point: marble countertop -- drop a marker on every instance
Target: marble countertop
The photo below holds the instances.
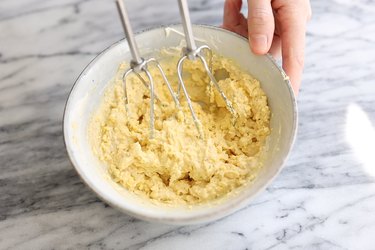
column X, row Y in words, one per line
column 323, row 199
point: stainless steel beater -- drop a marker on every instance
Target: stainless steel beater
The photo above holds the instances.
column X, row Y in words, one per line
column 139, row 65
column 192, row 52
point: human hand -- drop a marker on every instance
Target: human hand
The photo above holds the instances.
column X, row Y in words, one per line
column 274, row 26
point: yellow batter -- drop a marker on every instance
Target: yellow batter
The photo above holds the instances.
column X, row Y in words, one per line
column 176, row 167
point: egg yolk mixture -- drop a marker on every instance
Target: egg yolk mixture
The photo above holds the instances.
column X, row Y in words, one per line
column 177, row 166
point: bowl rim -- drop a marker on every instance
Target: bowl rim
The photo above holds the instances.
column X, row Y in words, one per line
column 194, row 219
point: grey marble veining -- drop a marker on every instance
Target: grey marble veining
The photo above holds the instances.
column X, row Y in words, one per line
column 323, row 199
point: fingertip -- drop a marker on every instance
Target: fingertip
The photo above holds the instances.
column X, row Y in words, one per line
column 295, row 87
column 293, row 63
column 259, row 44
column 294, row 78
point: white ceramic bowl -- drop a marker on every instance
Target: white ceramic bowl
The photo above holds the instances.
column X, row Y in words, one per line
column 89, row 88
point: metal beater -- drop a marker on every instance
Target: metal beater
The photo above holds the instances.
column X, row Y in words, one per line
column 192, row 52
column 139, row 64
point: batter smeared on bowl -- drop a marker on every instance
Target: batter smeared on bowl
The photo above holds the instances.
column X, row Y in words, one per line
column 176, row 167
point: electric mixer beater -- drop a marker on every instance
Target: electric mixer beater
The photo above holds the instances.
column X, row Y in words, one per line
column 190, row 52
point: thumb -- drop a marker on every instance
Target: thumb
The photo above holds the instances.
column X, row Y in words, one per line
column 261, row 25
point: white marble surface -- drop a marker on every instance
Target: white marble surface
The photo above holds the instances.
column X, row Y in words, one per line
column 323, row 199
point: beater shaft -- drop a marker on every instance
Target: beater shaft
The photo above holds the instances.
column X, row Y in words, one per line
column 186, row 23
column 128, row 32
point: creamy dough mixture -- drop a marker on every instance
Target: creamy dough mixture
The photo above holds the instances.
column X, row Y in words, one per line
column 176, row 167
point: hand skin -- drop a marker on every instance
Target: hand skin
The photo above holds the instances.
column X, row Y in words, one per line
column 277, row 27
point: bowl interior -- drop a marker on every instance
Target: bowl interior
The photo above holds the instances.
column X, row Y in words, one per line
column 90, row 87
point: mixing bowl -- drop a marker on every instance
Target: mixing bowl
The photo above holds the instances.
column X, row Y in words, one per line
column 89, row 89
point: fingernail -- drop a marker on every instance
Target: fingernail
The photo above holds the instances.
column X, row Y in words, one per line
column 259, row 43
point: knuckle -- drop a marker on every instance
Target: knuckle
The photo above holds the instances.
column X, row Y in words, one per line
column 259, row 16
column 298, row 60
column 296, row 10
